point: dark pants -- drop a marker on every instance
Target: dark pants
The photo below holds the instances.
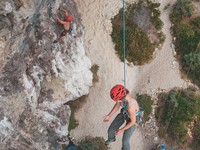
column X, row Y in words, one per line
column 71, row 146
column 115, row 125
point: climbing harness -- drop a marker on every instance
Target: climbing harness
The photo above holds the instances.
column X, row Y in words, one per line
column 161, row 147
column 139, row 114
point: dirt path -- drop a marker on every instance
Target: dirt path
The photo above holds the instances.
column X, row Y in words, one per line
column 162, row 72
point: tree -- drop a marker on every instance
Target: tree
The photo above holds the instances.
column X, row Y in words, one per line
column 187, row 38
column 196, row 22
column 192, row 65
column 184, row 7
column 192, row 61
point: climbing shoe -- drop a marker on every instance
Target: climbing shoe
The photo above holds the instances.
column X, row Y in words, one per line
column 107, row 142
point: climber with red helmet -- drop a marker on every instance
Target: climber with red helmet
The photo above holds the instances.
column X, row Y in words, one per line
column 66, row 24
column 128, row 113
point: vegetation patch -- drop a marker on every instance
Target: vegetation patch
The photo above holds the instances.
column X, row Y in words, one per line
column 175, row 113
column 74, row 106
column 141, row 18
column 167, row 6
column 196, row 22
column 155, row 14
column 196, row 134
column 187, row 33
column 94, row 69
column 89, row 143
column 182, row 9
column 145, row 102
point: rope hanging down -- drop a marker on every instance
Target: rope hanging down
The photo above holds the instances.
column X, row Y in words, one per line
column 124, row 41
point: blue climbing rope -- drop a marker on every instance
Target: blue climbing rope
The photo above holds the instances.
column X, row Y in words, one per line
column 57, row 147
column 124, row 41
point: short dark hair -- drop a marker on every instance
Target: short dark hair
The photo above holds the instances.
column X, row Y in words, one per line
column 127, row 91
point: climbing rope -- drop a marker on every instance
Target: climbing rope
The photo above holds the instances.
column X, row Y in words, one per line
column 124, row 40
column 57, row 146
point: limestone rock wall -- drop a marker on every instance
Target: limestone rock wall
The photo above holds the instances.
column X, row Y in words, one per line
column 38, row 76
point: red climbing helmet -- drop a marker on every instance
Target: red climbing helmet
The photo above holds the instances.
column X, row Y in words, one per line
column 118, row 92
column 69, row 18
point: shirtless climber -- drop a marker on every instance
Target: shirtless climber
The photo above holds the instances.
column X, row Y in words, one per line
column 66, row 24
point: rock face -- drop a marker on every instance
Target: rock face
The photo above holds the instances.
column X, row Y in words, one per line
column 38, row 76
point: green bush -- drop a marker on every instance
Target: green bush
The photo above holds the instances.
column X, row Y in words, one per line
column 196, row 136
column 175, row 111
column 187, row 33
column 187, row 38
column 192, row 65
column 152, row 6
column 75, row 105
column 192, row 61
column 175, row 17
column 196, row 22
column 161, row 37
column 184, row 31
column 146, row 102
column 139, row 48
column 155, row 18
column 94, row 69
column 187, row 41
column 176, row 116
column 90, row 143
column 182, row 9
column 157, row 22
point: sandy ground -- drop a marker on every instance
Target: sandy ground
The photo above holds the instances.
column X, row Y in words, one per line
column 161, row 73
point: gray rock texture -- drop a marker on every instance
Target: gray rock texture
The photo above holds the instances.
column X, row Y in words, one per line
column 38, row 76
